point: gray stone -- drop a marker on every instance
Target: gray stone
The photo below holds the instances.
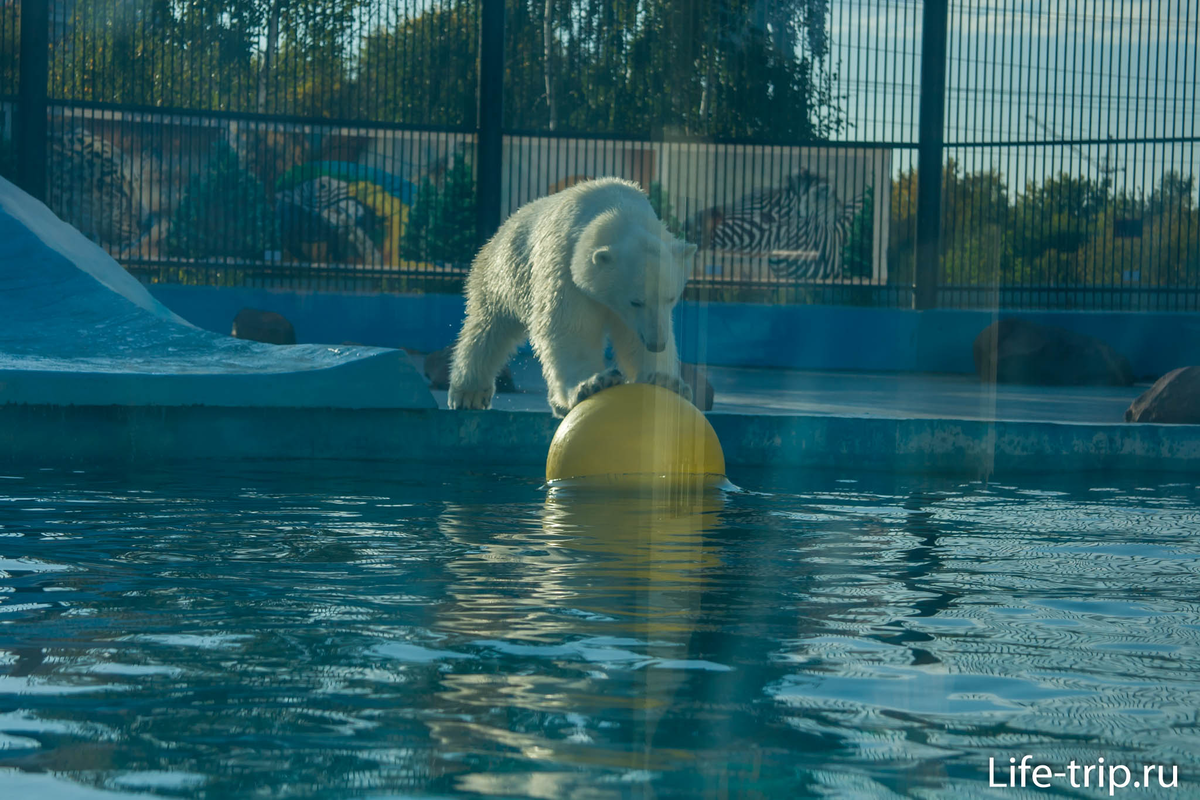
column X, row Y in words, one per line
column 702, row 390
column 437, row 369
column 1019, row 351
column 263, row 326
column 1174, row 398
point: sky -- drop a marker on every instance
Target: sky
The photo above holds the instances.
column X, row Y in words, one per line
column 1021, row 71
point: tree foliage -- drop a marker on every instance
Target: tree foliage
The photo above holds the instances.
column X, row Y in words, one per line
column 719, row 68
column 858, row 253
column 421, row 70
column 1061, row 233
column 10, row 47
column 660, row 201
column 204, row 55
column 223, row 213
column 723, row 68
column 441, row 226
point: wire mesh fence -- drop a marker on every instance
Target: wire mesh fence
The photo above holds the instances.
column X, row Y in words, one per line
column 340, row 144
column 1071, row 158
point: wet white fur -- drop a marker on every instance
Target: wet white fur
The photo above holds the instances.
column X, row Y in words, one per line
column 564, row 271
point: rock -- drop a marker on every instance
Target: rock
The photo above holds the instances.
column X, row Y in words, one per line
column 1174, row 398
column 437, row 369
column 702, row 390
column 1019, row 351
column 263, row 326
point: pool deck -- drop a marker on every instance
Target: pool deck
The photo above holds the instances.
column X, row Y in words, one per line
column 764, row 418
column 747, row 390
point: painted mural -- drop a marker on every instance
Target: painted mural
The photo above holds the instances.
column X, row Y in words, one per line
column 158, row 189
column 161, row 189
column 769, row 215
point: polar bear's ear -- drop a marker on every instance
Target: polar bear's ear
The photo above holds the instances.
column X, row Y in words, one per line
column 602, row 257
column 685, row 250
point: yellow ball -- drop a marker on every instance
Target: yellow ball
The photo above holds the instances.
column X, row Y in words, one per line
column 634, row 433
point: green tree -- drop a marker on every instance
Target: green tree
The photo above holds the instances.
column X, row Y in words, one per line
column 441, row 224
column 158, row 53
column 727, row 68
column 311, row 75
column 1052, row 224
column 1166, row 250
column 8, row 160
column 422, row 70
column 858, row 252
column 208, row 55
column 223, row 213
column 660, row 201
column 10, row 47
column 975, row 220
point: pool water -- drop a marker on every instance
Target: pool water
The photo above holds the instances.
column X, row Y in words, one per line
column 340, row 630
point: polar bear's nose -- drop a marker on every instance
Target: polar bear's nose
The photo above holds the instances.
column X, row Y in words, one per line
column 655, row 347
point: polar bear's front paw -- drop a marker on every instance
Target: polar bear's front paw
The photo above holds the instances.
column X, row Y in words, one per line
column 460, row 398
column 673, row 382
column 597, row 383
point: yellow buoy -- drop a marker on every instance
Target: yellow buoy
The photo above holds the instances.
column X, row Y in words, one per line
column 635, row 433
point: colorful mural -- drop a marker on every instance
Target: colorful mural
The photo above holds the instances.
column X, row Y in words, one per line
column 165, row 189
column 769, row 215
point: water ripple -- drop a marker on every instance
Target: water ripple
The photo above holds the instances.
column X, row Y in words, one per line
column 365, row 630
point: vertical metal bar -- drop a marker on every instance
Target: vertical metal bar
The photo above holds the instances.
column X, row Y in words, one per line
column 929, row 152
column 31, row 96
column 489, row 127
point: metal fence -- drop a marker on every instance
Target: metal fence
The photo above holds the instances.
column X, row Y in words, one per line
column 976, row 153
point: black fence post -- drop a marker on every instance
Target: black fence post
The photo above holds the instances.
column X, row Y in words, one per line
column 931, row 124
column 489, row 136
column 31, row 97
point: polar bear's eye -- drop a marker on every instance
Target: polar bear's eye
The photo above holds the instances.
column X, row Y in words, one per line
column 636, row 303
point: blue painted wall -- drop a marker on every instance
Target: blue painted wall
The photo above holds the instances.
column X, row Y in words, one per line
column 729, row 334
column 424, row 322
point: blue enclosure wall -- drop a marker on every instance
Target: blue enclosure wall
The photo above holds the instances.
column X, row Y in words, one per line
column 727, row 334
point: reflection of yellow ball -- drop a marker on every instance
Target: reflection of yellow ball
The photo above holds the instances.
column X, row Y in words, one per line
column 635, row 432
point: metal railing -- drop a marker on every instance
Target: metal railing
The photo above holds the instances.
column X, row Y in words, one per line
column 975, row 153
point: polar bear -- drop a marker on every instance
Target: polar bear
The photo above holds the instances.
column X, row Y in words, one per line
column 569, row 271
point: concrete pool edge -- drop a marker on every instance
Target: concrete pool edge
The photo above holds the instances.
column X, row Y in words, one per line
column 52, row 435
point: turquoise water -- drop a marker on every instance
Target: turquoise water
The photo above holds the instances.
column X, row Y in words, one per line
column 339, row 631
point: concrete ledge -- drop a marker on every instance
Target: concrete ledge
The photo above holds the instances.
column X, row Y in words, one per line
column 365, row 378
column 57, row 435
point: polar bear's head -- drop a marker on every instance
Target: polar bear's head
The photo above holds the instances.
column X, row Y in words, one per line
column 638, row 271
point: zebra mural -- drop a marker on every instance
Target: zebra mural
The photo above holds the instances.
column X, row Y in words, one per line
column 800, row 227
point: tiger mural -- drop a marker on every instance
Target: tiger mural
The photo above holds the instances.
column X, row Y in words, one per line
column 799, row 227
column 94, row 188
